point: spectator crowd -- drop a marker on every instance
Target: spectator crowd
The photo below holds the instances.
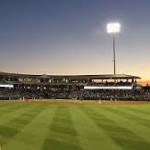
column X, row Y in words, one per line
column 74, row 93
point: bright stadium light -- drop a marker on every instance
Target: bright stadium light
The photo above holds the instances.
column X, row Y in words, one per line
column 6, row 86
column 108, row 87
column 114, row 28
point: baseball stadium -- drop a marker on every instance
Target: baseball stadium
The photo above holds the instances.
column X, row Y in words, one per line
column 57, row 88
column 73, row 112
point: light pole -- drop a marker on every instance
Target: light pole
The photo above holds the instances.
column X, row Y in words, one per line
column 113, row 28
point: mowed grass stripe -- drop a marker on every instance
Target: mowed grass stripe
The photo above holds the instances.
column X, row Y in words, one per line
column 142, row 111
column 15, row 125
column 135, row 117
column 125, row 121
column 19, row 109
column 139, row 110
column 62, row 134
column 8, row 110
column 123, row 137
column 6, row 131
column 33, row 136
column 6, row 107
column 90, row 135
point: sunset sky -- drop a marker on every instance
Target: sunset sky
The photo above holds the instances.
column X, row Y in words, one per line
column 69, row 36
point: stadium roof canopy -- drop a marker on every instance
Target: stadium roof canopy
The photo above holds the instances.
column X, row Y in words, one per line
column 73, row 77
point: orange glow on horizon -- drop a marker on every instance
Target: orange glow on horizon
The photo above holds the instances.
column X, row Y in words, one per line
column 144, row 82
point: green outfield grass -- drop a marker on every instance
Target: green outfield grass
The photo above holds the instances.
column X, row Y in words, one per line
column 31, row 126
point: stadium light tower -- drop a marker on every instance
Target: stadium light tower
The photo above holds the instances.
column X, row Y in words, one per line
column 113, row 28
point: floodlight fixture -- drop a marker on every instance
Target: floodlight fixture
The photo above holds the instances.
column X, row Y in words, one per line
column 113, row 27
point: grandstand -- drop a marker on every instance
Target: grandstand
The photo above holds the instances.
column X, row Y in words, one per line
column 107, row 87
